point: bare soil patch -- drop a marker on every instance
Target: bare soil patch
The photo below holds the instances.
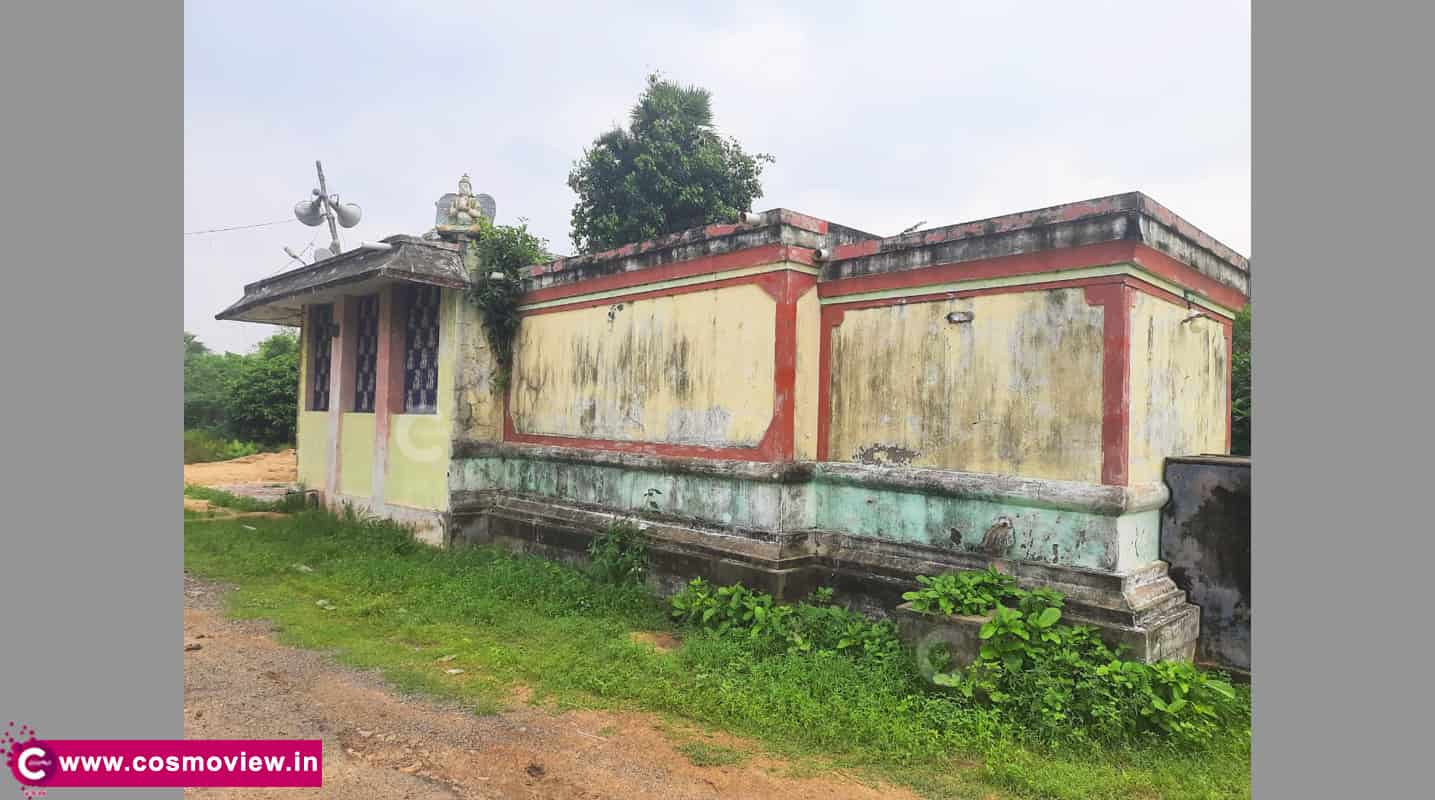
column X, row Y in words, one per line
column 280, row 468
column 660, row 641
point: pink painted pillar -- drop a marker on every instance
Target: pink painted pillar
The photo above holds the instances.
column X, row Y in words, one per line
column 388, row 380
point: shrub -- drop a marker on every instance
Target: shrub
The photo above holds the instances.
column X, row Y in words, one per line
column 505, row 251
column 1241, row 383
column 1059, row 682
column 966, row 593
column 1063, row 682
column 202, row 446
column 810, row 627
column 619, row 554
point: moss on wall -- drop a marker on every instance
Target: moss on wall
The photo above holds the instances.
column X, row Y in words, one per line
column 1016, row 390
column 1179, row 386
column 694, row 368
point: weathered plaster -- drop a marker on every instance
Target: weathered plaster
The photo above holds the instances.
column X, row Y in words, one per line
column 1054, row 522
column 694, row 368
column 478, row 402
column 717, row 500
column 1016, row 390
column 1178, row 385
column 356, row 454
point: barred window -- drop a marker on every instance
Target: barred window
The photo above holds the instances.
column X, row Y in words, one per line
column 421, row 351
column 366, row 354
column 321, row 321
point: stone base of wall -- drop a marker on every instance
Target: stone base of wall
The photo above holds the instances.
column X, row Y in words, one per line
column 1141, row 608
column 428, row 526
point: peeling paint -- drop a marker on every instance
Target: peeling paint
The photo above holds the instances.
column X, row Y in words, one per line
column 876, row 454
column 1178, row 386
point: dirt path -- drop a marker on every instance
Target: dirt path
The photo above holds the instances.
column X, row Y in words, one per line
column 276, row 468
column 240, row 683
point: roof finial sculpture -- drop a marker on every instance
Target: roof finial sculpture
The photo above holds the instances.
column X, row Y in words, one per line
column 462, row 214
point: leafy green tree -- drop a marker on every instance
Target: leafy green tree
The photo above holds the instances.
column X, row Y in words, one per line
column 253, row 397
column 203, row 386
column 262, row 393
column 670, row 170
column 1241, row 384
column 193, row 346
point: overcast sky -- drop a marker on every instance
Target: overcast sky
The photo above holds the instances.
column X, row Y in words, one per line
column 880, row 115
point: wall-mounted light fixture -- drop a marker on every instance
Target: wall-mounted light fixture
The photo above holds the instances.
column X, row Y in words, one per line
column 1196, row 313
column 958, row 317
column 333, row 330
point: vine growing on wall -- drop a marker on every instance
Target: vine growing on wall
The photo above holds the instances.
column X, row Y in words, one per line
column 503, row 252
column 1241, row 384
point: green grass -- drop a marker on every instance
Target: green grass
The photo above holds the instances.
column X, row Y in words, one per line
column 225, row 499
column 711, row 754
column 399, row 607
column 201, row 446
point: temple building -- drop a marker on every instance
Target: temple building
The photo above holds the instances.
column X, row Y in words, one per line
column 804, row 403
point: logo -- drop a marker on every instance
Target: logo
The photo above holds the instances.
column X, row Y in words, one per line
column 31, row 761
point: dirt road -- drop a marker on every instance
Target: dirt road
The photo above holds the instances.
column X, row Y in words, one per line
column 241, row 683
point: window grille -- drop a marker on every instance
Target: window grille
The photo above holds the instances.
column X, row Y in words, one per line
column 421, row 351
column 321, row 322
column 366, row 354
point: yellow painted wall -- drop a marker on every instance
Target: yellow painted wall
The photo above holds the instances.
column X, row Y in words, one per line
column 313, row 446
column 694, row 368
column 1015, row 391
column 1178, row 386
column 356, row 455
column 420, row 445
column 809, row 341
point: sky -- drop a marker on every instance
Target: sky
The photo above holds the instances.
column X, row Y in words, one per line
column 879, row 115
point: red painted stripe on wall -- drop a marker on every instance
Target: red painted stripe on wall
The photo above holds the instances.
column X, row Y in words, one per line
column 741, row 259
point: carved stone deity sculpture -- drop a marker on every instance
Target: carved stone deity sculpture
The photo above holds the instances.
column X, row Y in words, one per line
column 460, row 215
column 465, row 210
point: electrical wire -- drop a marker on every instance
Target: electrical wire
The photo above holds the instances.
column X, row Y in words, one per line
column 240, row 227
column 290, row 263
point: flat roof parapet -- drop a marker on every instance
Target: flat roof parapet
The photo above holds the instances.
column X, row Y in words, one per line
column 778, row 226
column 1129, row 217
column 1132, row 217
